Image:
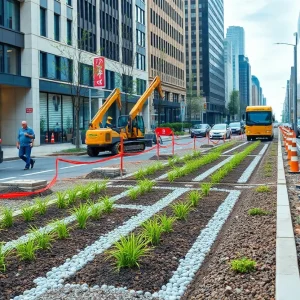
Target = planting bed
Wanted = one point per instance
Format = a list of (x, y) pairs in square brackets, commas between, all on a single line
[(242, 236), (155, 269), (21, 227), (22, 274), (81, 261)]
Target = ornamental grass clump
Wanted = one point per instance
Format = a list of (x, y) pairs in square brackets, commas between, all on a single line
[(96, 211), (26, 251), (152, 231), (181, 210), (243, 265), (3, 256), (42, 238), (108, 205), (194, 197), (133, 193), (28, 212), (61, 200), (166, 222), (7, 218), (81, 214), (128, 251), (84, 191), (263, 189), (98, 187), (61, 229), (71, 196), (145, 185), (256, 211), (41, 205), (172, 161), (205, 189)]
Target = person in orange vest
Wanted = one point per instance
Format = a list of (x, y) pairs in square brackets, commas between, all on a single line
[(26, 137)]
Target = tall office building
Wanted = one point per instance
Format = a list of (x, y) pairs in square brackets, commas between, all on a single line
[(245, 86), (49, 44), (228, 70), (236, 35), (255, 90), (205, 55), (166, 58)]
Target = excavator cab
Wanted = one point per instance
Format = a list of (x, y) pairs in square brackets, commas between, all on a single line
[(134, 128)]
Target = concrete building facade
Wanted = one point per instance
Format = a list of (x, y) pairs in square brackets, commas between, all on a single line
[(255, 91), (166, 58), (50, 45)]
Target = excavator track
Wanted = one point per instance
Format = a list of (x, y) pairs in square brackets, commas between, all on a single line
[(132, 146)]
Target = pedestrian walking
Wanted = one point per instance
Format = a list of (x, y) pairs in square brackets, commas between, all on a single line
[(25, 141)]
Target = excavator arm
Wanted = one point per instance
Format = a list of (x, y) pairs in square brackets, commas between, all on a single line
[(115, 95), (155, 84)]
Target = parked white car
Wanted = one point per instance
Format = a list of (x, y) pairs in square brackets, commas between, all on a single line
[(220, 131)]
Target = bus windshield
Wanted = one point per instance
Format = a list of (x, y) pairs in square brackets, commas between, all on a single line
[(258, 118)]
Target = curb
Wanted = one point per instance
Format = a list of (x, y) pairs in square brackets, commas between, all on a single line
[(287, 284)]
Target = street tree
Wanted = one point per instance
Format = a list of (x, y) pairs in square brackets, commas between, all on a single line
[(234, 104), (195, 100), (76, 67)]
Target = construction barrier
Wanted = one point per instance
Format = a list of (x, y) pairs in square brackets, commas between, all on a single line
[(294, 164)]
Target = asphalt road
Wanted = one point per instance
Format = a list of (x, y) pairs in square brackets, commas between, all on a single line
[(44, 167)]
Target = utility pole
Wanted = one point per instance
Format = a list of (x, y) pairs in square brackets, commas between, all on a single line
[(295, 88)]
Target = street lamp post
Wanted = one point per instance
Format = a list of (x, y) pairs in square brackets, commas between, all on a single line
[(295, 79)]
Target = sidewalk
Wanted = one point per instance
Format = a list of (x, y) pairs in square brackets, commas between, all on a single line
[(11, 152)]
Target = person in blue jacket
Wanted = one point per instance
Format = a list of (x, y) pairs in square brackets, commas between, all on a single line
[(26, 137)]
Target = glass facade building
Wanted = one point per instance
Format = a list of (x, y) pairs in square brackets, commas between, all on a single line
[(245, 85), (205, 55)]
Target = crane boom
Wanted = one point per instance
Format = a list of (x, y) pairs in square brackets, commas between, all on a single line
[(137, 108), (115, 95)]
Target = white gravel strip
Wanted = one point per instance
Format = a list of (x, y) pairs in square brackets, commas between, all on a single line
[(193, 260), (55, 278), (228, 151), (48, 228), (131, 206), (212, 170), (248, 172)]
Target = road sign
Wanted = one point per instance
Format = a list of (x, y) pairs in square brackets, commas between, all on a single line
[(163, 131)]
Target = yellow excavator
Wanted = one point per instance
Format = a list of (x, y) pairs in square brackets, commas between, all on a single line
[(131, 127)]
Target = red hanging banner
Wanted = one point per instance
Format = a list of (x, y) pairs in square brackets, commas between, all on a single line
[(99, 72)]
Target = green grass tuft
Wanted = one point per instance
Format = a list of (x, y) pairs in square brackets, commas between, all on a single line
[(243, 265)]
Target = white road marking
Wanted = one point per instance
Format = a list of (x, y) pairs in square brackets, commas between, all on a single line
[(72, 166), (7, 178), (46, 171), (235, 148)]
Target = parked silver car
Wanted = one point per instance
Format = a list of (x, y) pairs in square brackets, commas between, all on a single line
[(220, 131)]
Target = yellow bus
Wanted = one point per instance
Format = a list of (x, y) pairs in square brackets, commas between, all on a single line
[(259, 122)]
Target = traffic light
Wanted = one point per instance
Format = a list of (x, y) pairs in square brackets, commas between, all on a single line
[(204, 106)]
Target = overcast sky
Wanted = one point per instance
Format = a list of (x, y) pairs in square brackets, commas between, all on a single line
[(267, 22)]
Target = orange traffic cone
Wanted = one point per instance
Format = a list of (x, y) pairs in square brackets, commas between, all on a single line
[(46, 139), (294, 164), (52, 138)]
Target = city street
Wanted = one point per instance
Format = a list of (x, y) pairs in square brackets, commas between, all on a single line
[(44, 167)]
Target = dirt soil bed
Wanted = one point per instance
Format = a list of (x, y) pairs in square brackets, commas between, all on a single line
[(146, 199), (234, 176), (259, 148), (243, 235), (156, 269), (21, 227), (20, 275)]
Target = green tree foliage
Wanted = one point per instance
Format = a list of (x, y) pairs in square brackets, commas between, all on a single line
[(234, 103)]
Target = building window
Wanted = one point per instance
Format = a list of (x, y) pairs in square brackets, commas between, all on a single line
[(69, 32), (86, 75), (69, 2), (140, 62), (140, 15), (10, 14), (56, 27), (42, 21), (9, 59), (140, 38), (56, 67), (140, 86)]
